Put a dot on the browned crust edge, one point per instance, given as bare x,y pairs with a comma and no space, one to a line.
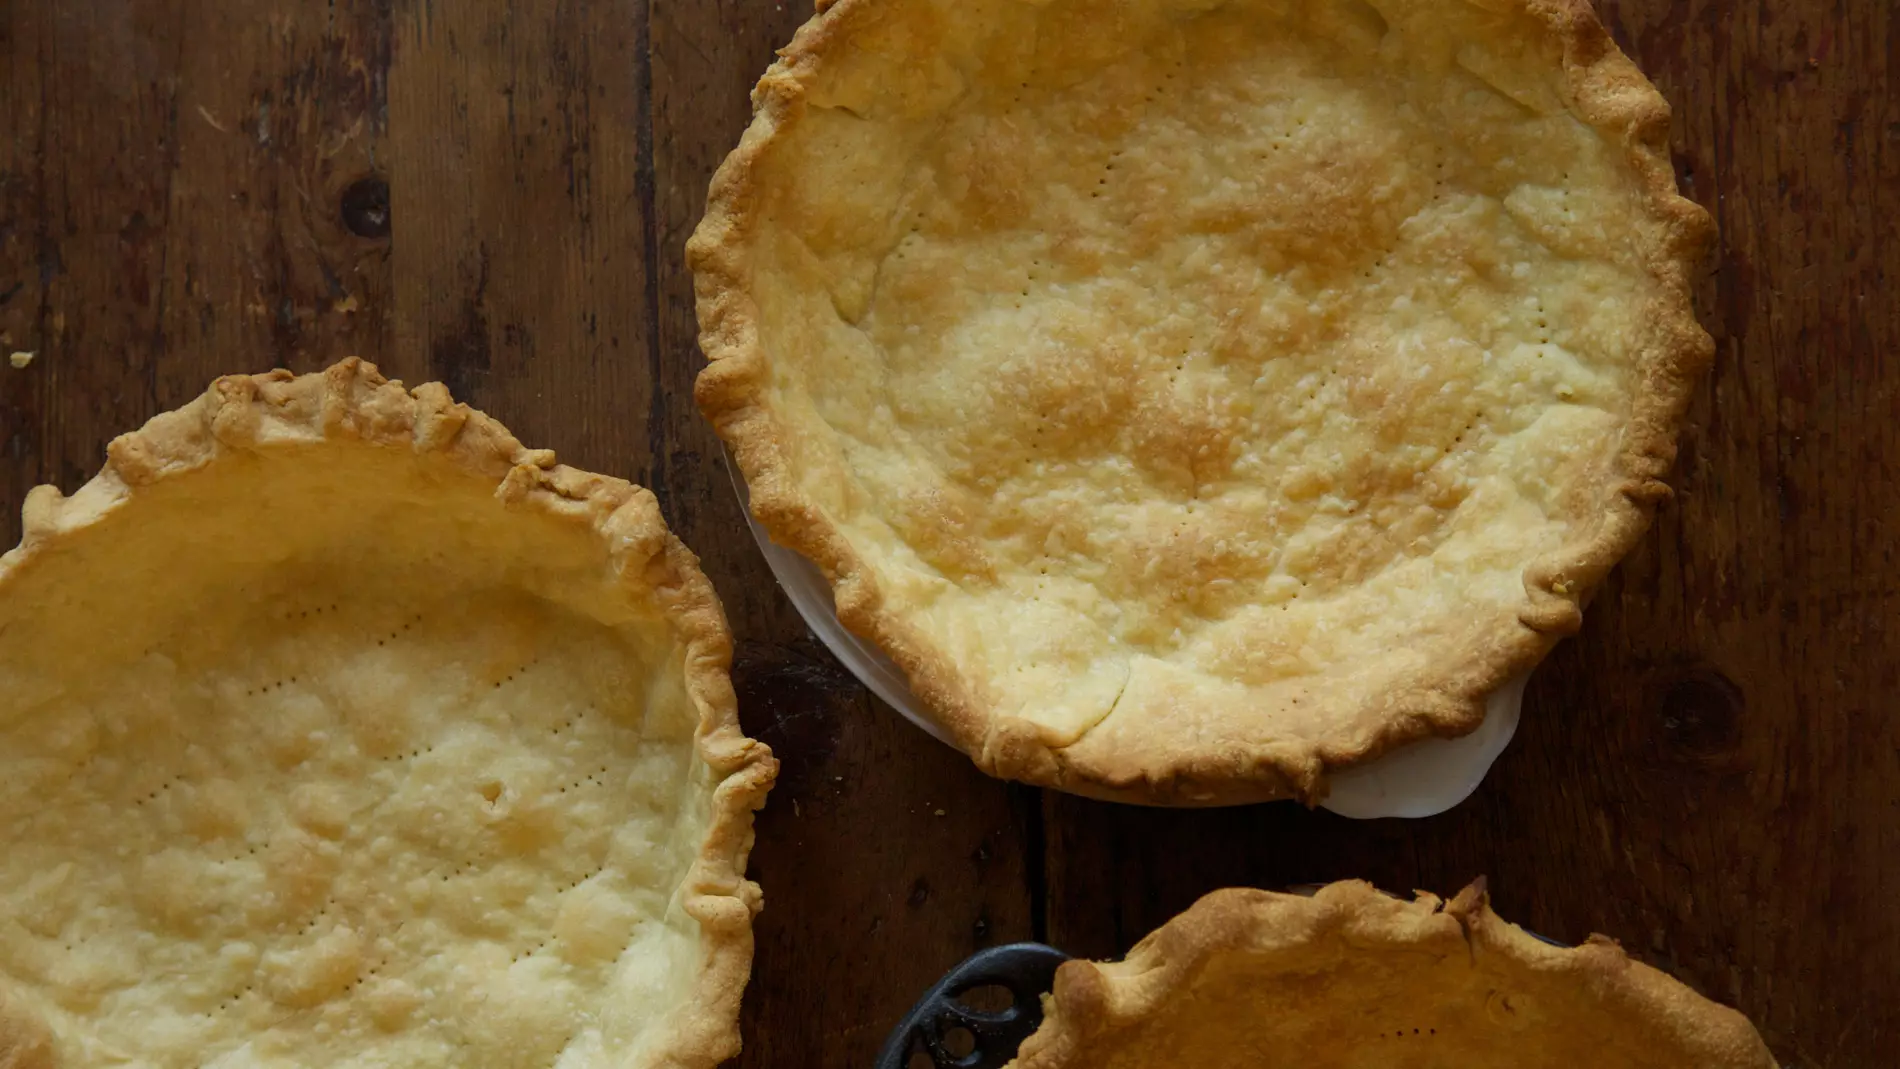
1094,1001
1605,89
351,401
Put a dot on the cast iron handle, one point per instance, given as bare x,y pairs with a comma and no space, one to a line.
1027,970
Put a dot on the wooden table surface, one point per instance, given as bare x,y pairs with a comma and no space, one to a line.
497,195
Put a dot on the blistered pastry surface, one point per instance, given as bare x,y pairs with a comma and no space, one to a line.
1219,367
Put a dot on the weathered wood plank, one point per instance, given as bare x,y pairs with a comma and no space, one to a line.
25,245
275,113
170,213
519,220
87,177
885,857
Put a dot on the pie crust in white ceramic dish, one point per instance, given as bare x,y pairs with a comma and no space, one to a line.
1195,397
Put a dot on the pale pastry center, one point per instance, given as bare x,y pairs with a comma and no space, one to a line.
350,830
1291,335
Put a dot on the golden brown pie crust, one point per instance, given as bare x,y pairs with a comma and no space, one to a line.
1188,734
604,542
1353,977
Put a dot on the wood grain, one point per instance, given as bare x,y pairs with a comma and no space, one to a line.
520,213
886,857
1710,772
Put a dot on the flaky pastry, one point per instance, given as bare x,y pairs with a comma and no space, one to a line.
337,728
1354,979
1196,396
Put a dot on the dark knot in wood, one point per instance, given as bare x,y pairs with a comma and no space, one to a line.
1699,715
365,206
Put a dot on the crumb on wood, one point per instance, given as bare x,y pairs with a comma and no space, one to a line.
20,360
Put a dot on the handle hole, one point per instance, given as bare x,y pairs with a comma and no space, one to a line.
959,1042
987,998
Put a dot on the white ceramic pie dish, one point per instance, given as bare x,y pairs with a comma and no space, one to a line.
1420,779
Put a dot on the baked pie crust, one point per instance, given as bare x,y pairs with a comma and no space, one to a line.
1352,977
336,727
1196,396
